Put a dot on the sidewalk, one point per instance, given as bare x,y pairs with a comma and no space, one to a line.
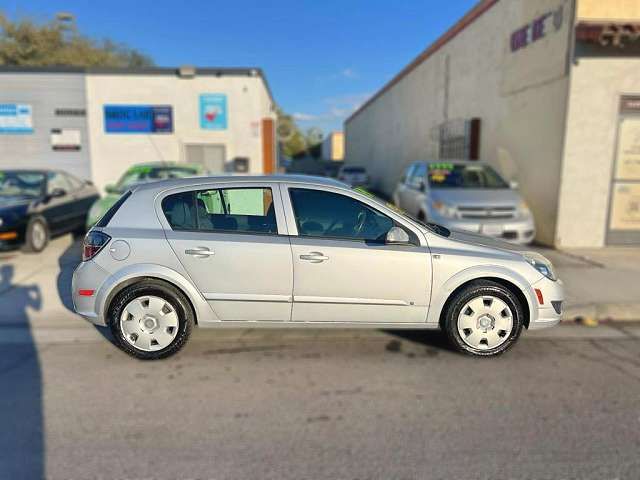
600,284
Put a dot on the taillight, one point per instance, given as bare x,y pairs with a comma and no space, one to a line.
93,243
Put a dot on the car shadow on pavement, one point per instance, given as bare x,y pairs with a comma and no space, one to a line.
432,339
21,406
67,263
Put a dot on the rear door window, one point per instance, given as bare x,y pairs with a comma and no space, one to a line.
233,210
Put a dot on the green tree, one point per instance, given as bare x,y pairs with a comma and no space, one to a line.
313,139
56,43
289,135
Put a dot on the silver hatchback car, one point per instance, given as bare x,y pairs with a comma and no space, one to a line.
464,195
283,251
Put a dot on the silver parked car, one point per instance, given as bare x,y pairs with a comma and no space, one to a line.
354,176
468,196
283,251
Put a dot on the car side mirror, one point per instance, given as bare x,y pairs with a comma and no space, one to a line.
514,185
397,236
111,189
58,192
422,186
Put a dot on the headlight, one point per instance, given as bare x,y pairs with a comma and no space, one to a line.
1,221
541,264
524,209
444,209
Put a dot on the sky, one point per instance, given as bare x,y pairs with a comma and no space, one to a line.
322,58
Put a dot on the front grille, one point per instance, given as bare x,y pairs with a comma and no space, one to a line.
483,213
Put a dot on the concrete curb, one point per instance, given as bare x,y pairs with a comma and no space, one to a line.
623,312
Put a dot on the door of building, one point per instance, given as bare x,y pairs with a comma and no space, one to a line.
624,206
210,156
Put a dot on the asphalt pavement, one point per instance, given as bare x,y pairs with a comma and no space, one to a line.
304,404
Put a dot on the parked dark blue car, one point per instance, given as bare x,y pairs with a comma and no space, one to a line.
36,205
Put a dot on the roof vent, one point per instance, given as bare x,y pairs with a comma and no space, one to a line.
187,71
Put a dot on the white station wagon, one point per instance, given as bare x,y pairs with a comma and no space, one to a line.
283,251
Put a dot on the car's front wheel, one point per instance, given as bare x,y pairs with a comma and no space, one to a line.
484,318
37,235
151,320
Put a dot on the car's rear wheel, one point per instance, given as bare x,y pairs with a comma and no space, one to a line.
484,319
37,235
151,320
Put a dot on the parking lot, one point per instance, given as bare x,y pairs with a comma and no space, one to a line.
303,403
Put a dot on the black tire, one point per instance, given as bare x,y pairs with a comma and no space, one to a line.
468,293
177,300
36,227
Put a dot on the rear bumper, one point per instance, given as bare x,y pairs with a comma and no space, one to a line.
88,276
549,312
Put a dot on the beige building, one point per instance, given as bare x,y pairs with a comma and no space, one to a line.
548,91
98,122
333,147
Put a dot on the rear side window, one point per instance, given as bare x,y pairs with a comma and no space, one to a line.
106,218
241,210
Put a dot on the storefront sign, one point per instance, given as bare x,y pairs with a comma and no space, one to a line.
625,211
138,119
628,161
550,22
16,118
66,139
213,111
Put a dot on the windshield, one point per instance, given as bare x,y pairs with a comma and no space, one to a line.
21,184
450,175
434,227
139,175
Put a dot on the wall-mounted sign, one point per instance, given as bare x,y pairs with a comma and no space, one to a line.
70,112
550,22
66,139
625,209
628,158
16,118
213,111
138,119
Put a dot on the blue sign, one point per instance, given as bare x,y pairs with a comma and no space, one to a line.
138,119
15,118
213,111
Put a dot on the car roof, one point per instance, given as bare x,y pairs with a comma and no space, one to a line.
167,164
240,179
455,162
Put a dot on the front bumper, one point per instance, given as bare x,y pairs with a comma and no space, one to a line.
520,231
12,238
549,313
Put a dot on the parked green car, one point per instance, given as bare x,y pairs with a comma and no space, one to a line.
141,173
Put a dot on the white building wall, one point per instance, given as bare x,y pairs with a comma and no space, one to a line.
519,96
597,84
248,102
45,92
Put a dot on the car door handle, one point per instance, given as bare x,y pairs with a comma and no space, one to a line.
314,257
199,252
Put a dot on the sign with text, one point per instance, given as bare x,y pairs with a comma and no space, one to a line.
628,158
138,119
16,118
213,111
625,210
546,23
66,140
